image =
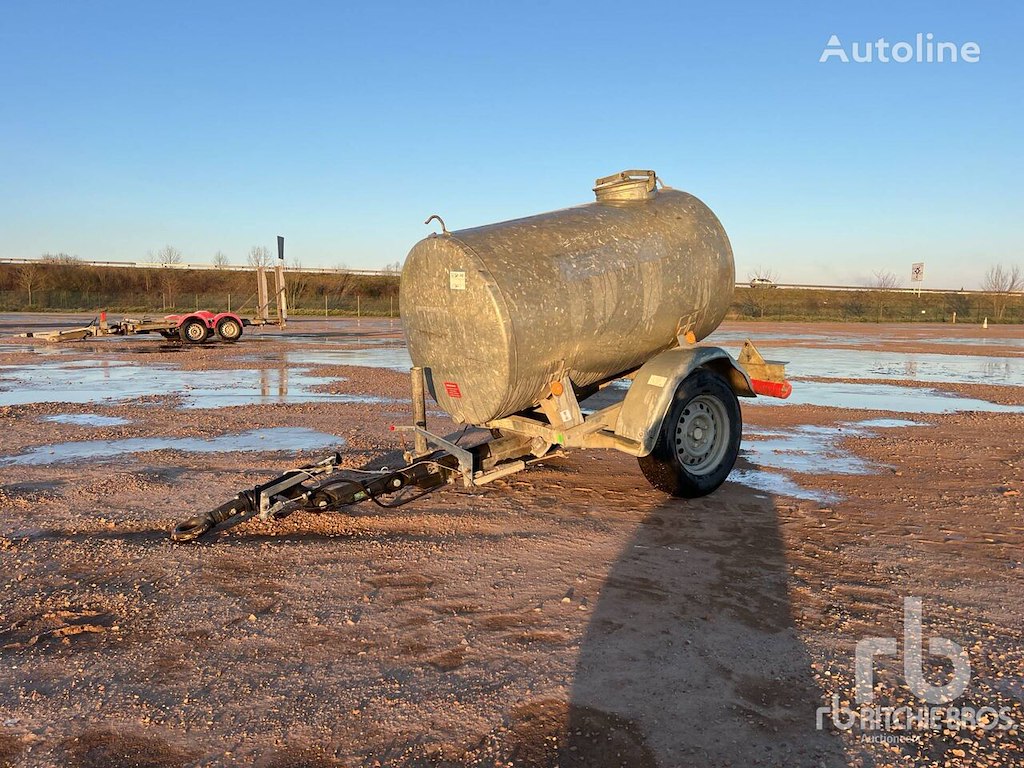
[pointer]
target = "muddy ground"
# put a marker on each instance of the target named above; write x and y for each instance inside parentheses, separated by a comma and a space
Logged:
(569, 615)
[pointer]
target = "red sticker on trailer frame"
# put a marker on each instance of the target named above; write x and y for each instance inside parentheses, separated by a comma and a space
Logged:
(452, 389)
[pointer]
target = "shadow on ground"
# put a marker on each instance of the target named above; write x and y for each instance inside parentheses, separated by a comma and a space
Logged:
(692, 646)
(691, 657)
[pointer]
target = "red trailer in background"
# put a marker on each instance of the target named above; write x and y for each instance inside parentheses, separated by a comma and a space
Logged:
(193, 327)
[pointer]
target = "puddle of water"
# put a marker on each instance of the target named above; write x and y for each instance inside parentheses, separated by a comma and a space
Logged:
(265, 440)
(964, 338)
(98, 381)
(155, 349)
(733, 338)
(342, 330)
(882, 397)
(808, 449)
(805, 450)
(393, 357)
(914, 366)
(779, 485)
(967, 341)
(88, 420)
(804, 363)
(889, 423)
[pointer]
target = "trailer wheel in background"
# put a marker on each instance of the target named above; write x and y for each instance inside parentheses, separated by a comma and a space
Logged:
(699, 438)
(169, 334)
(229, 329)
(193, 331)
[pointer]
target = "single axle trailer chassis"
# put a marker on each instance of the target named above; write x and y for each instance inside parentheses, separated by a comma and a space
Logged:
(679, 414)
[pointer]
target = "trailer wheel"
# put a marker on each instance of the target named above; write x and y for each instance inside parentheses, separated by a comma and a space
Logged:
(699, 438)
(193, 331)
(229, 329)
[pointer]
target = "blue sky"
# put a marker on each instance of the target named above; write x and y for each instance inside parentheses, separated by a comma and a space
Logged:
(216, 126)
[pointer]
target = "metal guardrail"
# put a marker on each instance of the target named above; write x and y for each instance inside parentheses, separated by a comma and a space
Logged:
(195, 266)
(807, 287)
(383, 272)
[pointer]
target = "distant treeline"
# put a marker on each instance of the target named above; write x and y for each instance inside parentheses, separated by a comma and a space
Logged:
(66, 285)
(875, 305)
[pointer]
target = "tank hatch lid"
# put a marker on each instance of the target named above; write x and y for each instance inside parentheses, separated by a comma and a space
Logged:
(627, 185)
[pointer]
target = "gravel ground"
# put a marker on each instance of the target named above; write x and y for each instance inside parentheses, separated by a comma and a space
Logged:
(569, 615)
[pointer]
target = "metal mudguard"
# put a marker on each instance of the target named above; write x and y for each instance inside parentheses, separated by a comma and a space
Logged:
(650, 396)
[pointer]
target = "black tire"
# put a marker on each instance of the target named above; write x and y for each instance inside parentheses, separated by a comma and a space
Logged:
(229, 329)
(679, 465)
(193, 331)
(169, 334)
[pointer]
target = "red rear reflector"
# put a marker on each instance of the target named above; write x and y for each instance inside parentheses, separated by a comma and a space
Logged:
(781, 389)
(452, 389)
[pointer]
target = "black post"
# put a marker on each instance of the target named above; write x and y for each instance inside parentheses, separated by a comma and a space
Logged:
(280, 247)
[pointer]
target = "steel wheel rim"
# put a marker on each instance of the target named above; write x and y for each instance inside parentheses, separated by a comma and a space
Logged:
(702, 435)
(195, 332)
(229, 330)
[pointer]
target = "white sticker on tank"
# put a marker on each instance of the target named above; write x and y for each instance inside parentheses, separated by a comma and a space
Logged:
(457, 280)
(657, 381)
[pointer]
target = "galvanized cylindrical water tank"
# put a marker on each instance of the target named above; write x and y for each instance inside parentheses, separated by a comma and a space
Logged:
(495, 313)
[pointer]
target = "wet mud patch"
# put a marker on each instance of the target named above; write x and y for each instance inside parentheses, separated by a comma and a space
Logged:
(539, 637)
(456, 609)
(296, 757)
(323, 637)
(240, 576)
(164, 475)
(11, 748)
(508, 621)
(546, 733)
(402, 587)
(115, 748)
(173, 660)
(158, 349)
(449, 660)
(773, 700)
(59, 623)
(32, 491)
(80, 606)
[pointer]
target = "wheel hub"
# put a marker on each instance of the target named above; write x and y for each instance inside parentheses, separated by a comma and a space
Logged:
(702, 434)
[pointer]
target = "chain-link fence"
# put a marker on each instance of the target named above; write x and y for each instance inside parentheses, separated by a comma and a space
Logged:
(748, 303)
(867, 305)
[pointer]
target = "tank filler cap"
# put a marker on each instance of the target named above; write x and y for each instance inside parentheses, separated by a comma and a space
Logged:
(627, 185)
